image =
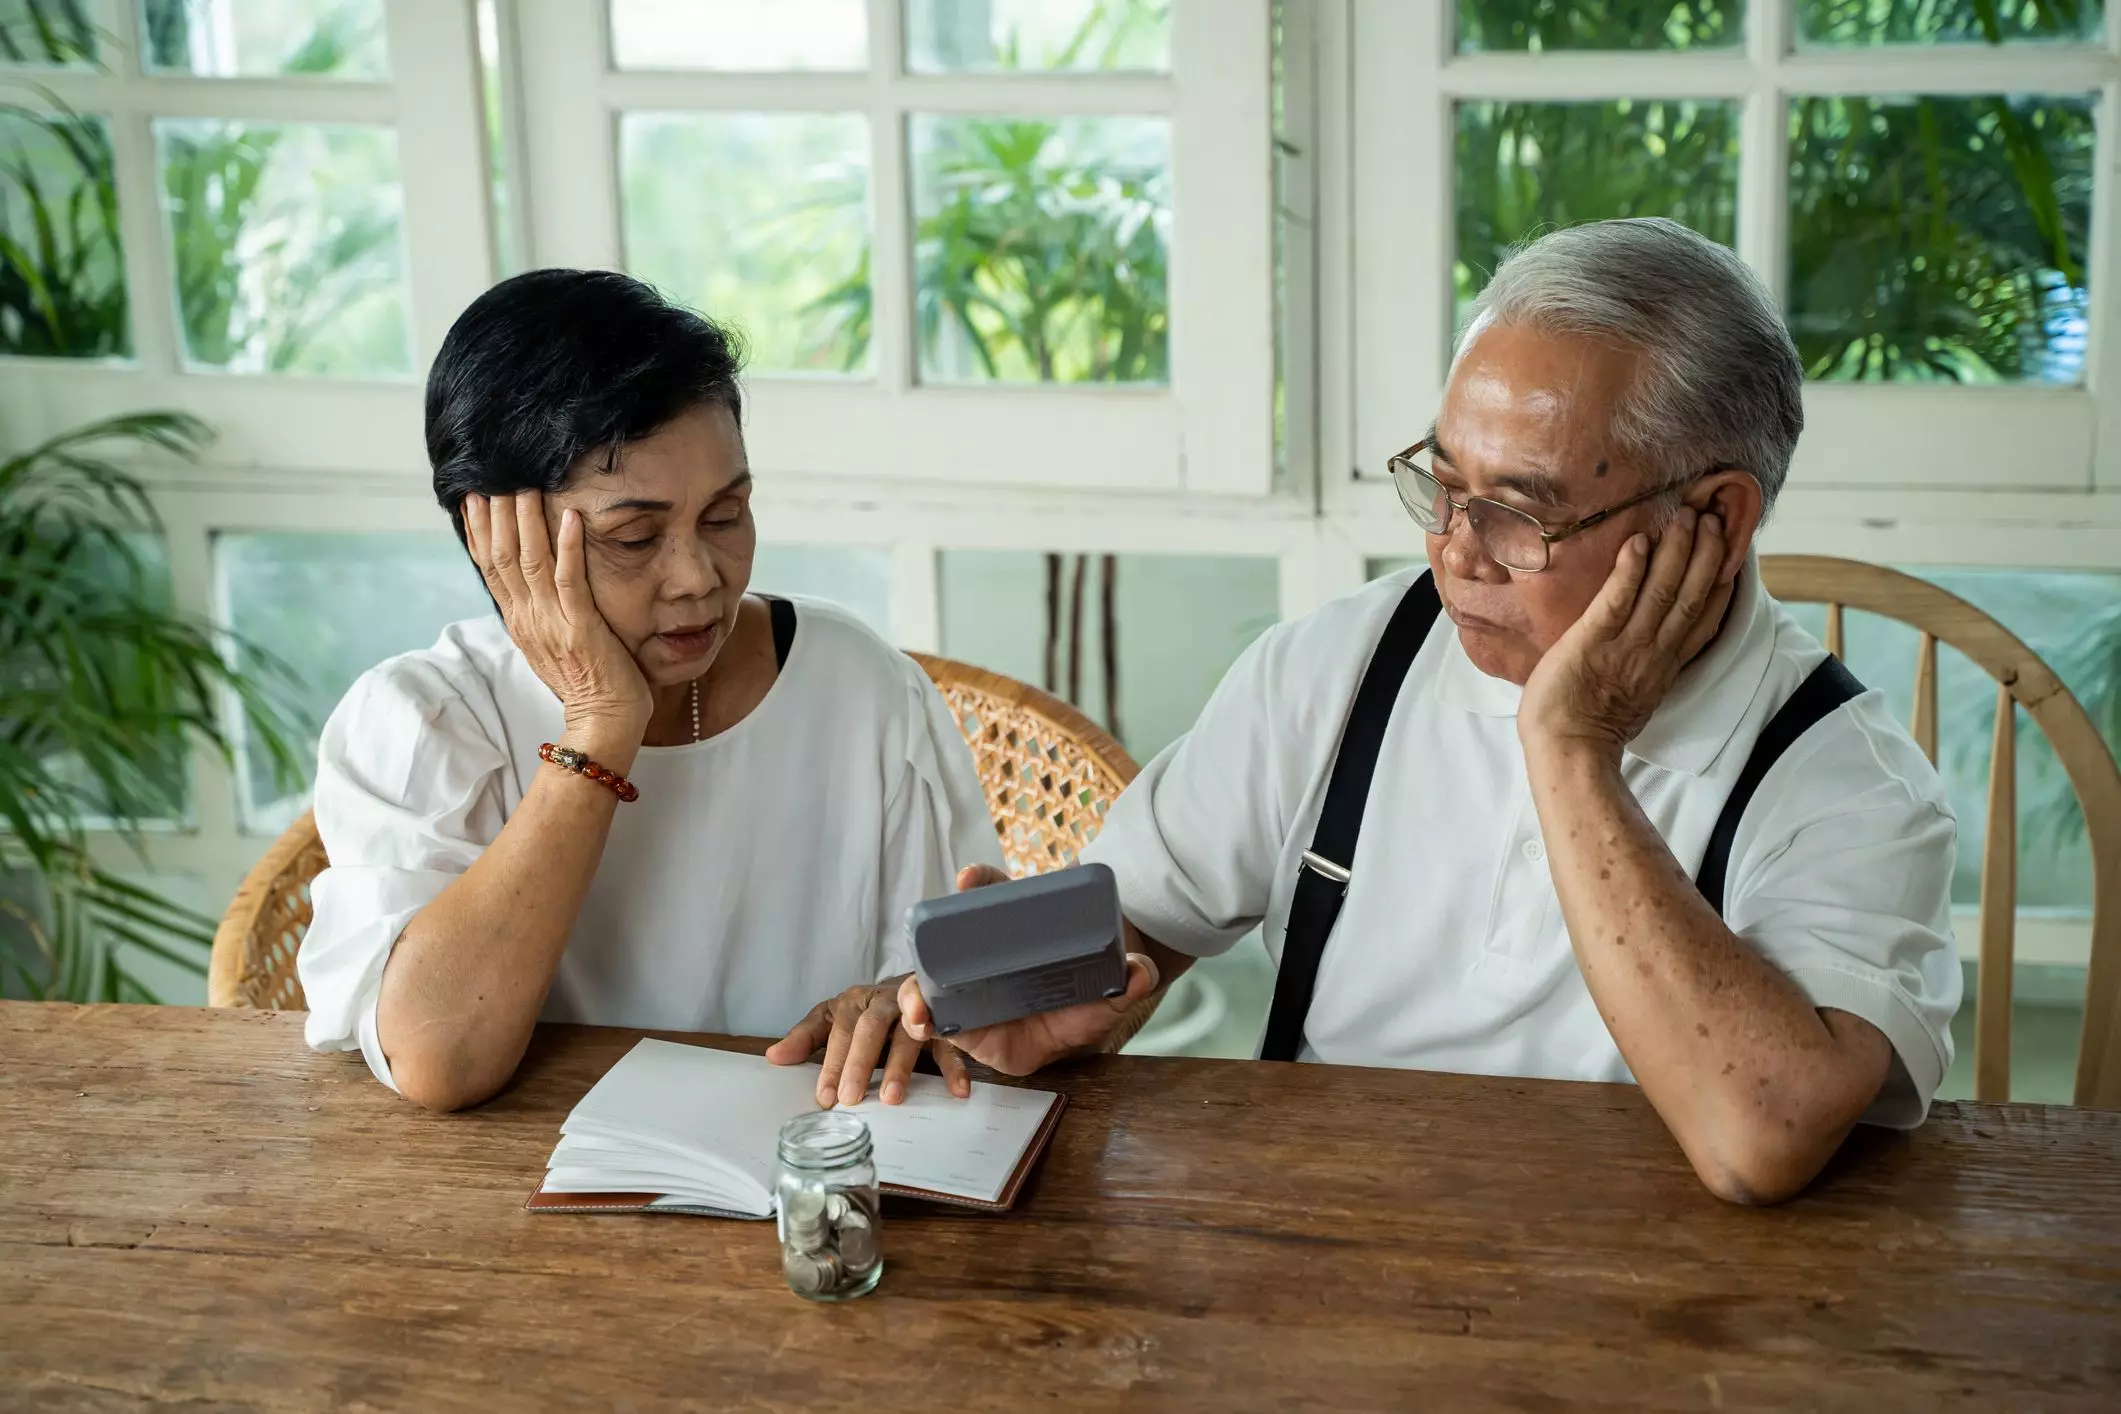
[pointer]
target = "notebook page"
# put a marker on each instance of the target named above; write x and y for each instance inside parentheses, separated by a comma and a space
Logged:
(724, 1111)
(716, 1105)
(966, 1148)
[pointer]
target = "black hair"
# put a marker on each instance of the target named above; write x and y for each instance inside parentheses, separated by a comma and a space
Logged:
(554, 364)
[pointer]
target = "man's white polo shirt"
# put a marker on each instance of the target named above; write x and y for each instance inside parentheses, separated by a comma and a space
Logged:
(1450, 952)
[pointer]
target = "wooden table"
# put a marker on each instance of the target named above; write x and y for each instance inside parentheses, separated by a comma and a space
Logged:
(196, 1211)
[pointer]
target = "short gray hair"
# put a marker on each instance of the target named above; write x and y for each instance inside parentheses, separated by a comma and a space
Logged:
(1721, 383)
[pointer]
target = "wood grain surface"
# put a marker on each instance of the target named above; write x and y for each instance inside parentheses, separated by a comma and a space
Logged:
(196, 1212)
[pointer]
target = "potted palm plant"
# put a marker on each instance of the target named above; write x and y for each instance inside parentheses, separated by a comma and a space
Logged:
(105, 691)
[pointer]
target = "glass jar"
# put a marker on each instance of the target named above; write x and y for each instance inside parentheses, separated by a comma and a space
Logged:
(829, 1209)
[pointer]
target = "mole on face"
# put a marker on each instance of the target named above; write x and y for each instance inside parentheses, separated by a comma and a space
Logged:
(1601, 468)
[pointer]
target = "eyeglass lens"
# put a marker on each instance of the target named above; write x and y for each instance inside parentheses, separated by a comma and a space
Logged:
(1511, 538)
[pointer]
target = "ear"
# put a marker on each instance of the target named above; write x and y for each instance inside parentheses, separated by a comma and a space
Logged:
(1736, 500)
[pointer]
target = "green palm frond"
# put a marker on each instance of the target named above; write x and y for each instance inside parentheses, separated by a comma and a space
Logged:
(105, 693)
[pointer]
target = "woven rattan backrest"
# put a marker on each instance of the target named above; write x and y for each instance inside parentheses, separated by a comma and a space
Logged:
(1050, 772)
(254, 948)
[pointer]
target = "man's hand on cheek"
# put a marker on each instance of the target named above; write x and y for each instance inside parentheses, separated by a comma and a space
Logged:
(1600, 683)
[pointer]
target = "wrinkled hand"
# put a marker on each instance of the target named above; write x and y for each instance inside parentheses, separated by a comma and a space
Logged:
(854, 1028)
(1604, 678)
(1024, 1045)
(541, 584)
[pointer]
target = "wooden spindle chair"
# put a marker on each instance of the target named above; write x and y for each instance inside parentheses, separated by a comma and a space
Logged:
(2022, 680)
(1050, 775)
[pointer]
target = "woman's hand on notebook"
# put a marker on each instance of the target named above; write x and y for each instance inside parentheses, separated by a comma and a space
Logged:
(859, 1030)
(1022, 1046)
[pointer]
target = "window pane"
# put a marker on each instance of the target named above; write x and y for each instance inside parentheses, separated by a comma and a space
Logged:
(1603, 24)
(331, 607)
(1859, 22)
(760, 219)
(960, 36)
(45, 34)
(1042, 249)
(1940, 238)
(1524, 168)
(1170, 626)
(855, 577)
(288, 247)
(740, 34)
(230, 38)
(62, 273)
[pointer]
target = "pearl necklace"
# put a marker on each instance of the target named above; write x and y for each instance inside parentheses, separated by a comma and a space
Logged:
(695, 709)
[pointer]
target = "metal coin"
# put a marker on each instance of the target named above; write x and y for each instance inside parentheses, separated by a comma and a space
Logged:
(810, 1274)
(857, 1246)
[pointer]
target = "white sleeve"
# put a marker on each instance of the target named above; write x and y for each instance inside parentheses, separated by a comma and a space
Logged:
(1849, 892)
(1196, 838)
(935, 823)
(408, 794)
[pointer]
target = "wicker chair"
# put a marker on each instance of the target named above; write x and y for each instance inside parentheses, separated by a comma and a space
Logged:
(1050, 773)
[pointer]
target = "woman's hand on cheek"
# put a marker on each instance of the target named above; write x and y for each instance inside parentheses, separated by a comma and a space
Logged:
(541, 583)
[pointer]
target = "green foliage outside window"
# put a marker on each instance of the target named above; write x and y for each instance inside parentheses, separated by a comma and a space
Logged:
(1929, 238)
(1042, 246)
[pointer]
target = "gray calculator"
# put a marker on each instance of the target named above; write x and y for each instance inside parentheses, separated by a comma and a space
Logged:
(1016, 949)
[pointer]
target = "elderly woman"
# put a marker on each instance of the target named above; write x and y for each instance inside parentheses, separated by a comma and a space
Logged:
(640, 796)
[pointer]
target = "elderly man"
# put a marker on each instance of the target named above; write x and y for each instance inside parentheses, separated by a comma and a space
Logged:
(1610, 814)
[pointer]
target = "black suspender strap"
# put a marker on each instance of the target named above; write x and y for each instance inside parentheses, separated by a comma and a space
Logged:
(783, 615)
(1828, 687)
(1322, 883)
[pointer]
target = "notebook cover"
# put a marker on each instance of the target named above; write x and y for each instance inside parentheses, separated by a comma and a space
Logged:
(542, 1202)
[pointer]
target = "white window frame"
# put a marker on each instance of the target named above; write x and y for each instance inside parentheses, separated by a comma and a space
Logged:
(1210, 431)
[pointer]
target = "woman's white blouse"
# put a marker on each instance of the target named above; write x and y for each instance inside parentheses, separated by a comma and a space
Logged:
(759, 873)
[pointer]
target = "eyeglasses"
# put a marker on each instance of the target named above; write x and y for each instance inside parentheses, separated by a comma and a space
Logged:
(1512, 538)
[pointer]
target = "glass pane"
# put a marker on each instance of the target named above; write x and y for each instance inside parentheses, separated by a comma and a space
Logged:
(1167, 626)
(977, 36)
(1524, 168)
(855, 577)
(1042, 249)
(740, 34)
(230, 38)
(1602, 24)
(44, 34)
(288, 248)
(2047, 1020)
(62, 265)
(1940, 238)
(1860, 22)
(331, 607)
(760, 219)
(500, 183)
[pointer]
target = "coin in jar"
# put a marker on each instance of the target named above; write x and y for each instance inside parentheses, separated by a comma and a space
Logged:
(808, 1273)
(857, 1246)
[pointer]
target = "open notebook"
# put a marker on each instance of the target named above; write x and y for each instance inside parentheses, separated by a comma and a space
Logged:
(688, 1129)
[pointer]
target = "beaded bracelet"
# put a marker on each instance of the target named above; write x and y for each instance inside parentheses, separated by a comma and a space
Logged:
(567, 758)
